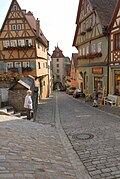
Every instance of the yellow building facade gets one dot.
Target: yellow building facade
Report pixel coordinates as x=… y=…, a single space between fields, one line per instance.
x=24 y=47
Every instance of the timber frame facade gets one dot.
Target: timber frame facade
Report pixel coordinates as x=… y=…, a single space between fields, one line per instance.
x=114 y=57
x=24 y=47
x=91 y=40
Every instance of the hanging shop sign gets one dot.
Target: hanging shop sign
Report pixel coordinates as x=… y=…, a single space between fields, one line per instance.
x=97 y=70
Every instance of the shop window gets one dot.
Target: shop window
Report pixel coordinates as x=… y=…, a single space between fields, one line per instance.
x=117 y=84
x=98 y=83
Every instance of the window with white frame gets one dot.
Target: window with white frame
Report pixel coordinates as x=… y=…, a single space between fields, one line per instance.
x=19 y=26
x=93 y=48
x=13 y=43
x=9 y=65
x=83 y=52
x=21 y=43
x=87 y=50
x=6 y=43
x=28 y=42
x=26 y=64
x=17 y=64
x=80 y=52
x=14 y=27
x=99 y=47
x=14 y=8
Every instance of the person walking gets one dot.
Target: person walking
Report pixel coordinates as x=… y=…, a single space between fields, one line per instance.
x=95 y=98
x=28 y=104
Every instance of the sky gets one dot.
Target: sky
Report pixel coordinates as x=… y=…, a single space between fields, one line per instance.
x=57 y=20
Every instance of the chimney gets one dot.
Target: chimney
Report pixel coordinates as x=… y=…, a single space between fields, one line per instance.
x=38 y=26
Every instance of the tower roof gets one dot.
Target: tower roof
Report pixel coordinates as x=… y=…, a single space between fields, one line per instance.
x=57 y=53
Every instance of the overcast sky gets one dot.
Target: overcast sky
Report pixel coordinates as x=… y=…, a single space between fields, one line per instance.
x=57 y=20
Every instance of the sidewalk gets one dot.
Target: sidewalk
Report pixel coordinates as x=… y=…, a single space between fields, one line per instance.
x=115 y=110
x=29 y=150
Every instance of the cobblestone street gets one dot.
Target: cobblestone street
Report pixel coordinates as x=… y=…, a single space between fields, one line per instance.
x=85 y=146
x=94 y=134
x=31 y=150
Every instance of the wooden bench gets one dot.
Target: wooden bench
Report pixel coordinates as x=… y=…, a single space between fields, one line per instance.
x=110 y=99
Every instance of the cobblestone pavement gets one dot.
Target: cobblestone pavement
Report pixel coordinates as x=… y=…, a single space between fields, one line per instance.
x=41 y=149
x=29 y=150
x=107 y=108
x=94 y=135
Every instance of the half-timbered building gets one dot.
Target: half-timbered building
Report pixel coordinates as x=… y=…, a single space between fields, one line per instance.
x=91 y=40
x=114 y=57
x=24 y=46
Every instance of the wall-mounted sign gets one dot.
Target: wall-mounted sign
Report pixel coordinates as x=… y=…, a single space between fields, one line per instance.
x=97 y=70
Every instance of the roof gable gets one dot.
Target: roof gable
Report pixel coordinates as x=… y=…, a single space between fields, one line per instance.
x=102 y=8
x=15 y=11
x=57 y=53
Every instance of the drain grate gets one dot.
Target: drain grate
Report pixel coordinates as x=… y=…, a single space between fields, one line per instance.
x=82 y=136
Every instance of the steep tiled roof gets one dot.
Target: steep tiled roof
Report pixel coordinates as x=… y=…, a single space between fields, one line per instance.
x=114 y=14
x=104 y=8
x=57 y=53
x=33 y=23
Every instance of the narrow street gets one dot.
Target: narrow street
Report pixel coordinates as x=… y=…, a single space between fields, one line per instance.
x=69 y=140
